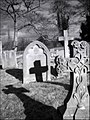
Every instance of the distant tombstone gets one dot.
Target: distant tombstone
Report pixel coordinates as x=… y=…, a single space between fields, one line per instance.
x=0 y=53
x=66 y=39
x=9 y=59
x=36 y=63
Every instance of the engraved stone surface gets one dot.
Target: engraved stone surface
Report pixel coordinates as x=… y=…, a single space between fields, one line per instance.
x=79 y=65
x=36 y=53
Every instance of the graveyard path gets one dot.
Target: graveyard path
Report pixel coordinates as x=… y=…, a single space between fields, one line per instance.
x=34 y=100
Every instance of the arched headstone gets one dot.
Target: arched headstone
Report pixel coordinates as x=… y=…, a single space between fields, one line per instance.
x=36 y=63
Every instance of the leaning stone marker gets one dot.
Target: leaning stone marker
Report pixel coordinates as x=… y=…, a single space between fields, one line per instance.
x=36 y=63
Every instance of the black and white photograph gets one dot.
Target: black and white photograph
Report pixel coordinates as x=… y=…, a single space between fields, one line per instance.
x=44 y=59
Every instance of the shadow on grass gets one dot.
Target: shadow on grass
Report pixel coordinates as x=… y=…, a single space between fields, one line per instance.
x=34 y=110
x=62 y=109
x=66 y=86
x=17 y=73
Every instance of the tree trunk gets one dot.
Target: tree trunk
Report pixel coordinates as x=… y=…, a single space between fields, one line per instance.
x=15 y=39
x=59 y=21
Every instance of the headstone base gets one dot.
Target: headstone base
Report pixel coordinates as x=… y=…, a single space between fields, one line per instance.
x=72 y=112
x=68 y=115
x=82 y=114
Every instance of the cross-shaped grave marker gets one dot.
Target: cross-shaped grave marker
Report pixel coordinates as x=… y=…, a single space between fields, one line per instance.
x=38 y=70
x=79 y=65
x=65 y=38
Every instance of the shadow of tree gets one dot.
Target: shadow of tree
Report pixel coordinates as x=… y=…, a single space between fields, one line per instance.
x=17 y=73
x=34 y=110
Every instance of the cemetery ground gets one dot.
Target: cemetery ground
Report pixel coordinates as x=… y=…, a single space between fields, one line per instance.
x=31 y=101
x=34 y=100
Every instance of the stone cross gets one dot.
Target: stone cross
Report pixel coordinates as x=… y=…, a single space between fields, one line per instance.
x=65 y=38
x=38 y=70
x=79 y=65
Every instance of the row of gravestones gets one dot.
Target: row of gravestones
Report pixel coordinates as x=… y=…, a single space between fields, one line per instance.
x=36 y=67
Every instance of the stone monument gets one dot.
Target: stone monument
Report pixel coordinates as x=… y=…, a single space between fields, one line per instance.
x=79 y=66
x=36 y=63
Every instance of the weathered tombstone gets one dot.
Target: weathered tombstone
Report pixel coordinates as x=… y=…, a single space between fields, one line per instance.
x=1 y=53
x=79 y=65
x=80 y=97
x=36 y=63
x=9 y=59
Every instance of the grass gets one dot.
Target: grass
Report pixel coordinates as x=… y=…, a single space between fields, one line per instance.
x=31 y=101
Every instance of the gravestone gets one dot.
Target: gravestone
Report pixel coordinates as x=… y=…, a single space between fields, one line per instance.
x=79 y=65
x=1 y=53
x=36 y=63
x=9 y=59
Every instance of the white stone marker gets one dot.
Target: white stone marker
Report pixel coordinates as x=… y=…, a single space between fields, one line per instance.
x=65 y=38
x=9 y=59
x=36 y=63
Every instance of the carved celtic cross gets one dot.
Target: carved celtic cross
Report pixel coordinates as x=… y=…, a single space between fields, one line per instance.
x=79 y=65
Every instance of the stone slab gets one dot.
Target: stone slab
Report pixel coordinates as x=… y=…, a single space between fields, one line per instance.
x=35 y=52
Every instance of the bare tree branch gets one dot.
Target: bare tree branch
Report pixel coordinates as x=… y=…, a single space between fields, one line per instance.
x=7 y=1
x=3 y=9
x=9 y=12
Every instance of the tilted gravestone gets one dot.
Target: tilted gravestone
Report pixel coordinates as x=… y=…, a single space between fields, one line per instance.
x=36 y=63
x=79 y=65
x=0 y=53
x=9 y=59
